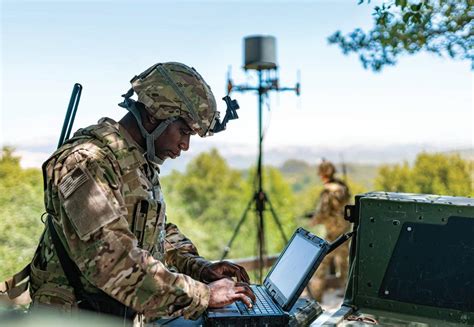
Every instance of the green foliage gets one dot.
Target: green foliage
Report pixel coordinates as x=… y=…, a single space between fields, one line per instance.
x=395 y=178
x=443 y=27
x=299 y=174
x=210 y=188
x=21 y=205
x=431 y=174
x=205 y=201
x=208 y=200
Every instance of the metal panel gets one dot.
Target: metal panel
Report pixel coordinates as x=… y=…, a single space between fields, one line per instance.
x=381 y=218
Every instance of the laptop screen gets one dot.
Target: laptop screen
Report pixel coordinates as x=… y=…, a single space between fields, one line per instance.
x=295 y=264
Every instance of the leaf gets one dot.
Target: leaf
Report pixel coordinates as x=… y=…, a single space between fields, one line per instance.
x=406 y=17
x=401 y=3
x=416 y=7
x=416 y=18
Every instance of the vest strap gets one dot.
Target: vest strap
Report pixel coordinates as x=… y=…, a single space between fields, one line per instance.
x=99 y=302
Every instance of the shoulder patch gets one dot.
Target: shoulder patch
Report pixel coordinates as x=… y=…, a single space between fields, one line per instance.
x=86 y=203
x=72 y=182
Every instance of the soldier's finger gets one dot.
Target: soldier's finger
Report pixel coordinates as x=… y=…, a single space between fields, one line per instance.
x=240 y=273
x=244 y=299
x=245 y=276
x=245 y=289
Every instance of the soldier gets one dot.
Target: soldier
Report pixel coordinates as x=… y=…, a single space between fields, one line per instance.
x=330 y=213
x=107 y=246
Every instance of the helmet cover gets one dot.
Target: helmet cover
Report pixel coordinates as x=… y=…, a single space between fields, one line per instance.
x=326 y=168
x=173 y=89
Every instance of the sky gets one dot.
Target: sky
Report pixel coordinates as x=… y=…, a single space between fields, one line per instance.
x=425 y=101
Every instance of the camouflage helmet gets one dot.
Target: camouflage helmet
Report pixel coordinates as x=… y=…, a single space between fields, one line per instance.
x=174 y=90
x=326 y=168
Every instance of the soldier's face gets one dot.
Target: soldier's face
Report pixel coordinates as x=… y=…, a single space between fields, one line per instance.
x=174 y=139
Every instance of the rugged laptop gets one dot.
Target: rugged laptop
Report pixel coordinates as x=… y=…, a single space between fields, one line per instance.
x=281 y=287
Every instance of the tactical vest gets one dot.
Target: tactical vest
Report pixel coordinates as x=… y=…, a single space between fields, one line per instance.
x=141 y=188
x=144 y=207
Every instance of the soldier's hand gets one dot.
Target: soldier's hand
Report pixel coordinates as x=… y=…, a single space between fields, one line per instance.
x=224 y=269
x=226 y=291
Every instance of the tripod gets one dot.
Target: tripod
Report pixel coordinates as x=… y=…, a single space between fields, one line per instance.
x=260 y=197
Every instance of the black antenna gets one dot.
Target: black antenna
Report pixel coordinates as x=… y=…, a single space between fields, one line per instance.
x=70 y=114
x=344 y=168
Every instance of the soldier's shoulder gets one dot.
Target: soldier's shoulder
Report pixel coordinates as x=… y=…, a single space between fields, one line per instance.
x=335 y=186
x=84 y=149
x=86 y=145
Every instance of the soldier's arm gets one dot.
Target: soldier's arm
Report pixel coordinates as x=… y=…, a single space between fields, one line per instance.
x=99 y=241
x=182 y=254
x=323 y=207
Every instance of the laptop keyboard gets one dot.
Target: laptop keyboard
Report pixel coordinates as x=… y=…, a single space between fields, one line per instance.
x=263 y=304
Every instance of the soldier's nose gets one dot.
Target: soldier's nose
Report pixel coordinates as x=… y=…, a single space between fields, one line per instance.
x=184 y=144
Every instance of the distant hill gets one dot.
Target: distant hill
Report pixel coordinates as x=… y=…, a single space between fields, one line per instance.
x=466 y=154
x=301 y=174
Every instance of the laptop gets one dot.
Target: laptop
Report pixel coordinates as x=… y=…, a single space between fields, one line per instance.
x=281 y=288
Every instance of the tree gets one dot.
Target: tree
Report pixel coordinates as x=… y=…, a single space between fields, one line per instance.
x=205 y=201
x=443 y=27
x=431 y=174
x=21 y=205
x=397 y=178
x=208 y=200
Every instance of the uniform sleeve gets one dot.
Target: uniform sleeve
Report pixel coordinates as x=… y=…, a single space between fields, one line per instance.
x=107 y=253
x=322 y=208
x=182 y=254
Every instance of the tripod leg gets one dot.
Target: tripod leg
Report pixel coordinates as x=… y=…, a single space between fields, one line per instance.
x=261 y=250
x=236 y=230
x=277 y=221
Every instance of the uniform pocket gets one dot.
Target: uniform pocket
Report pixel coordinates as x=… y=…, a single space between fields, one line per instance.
x=145 y=221
x=55 y=296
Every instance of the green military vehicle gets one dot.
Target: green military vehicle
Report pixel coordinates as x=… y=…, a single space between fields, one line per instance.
x=412 y=262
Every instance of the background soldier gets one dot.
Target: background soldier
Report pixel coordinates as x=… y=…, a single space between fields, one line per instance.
x=330 y=213
x=107 y=245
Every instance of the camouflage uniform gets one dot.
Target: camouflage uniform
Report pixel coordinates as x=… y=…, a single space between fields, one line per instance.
x=106 y=212
x=103 y=193
x=108 y=208
x=330 y=213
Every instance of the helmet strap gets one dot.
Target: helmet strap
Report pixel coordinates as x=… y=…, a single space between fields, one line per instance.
x=150 y=138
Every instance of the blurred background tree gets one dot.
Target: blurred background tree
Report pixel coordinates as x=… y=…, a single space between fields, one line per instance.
x=431 y=174
x=21 y=206
x=207 y=200
x=443 y=27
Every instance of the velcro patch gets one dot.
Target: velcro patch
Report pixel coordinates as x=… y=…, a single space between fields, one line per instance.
x=86 y=203
x=70 y=183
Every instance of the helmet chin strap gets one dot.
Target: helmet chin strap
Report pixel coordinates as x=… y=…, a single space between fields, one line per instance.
x=150 y=138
